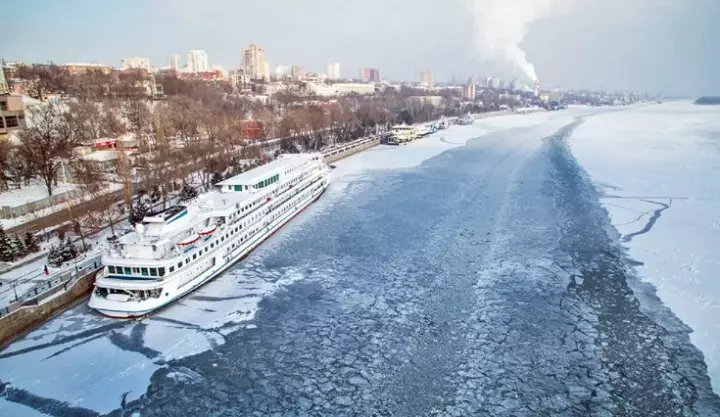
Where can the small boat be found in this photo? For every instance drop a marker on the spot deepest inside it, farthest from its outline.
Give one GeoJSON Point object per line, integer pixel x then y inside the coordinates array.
{"type": "Point", "coordinates": [189, 240]}
{"type": "Point", "coordinates": [208, 230]}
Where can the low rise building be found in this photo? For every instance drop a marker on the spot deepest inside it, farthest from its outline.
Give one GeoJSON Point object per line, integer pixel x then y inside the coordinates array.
{"type": "Point", "coordinates": [298, 71]}
{"type": "Point", "coordinates": [282, 71]}
{"type": "Point", "coordinates": [468, 90]}
{"type": "Point", "coordinates": [357, 88]}
{"type": "Point", "coordinates": [12, 113]}
{"type": "Point", "coordinates": [421, 100]}
{"type": "Point", "coordinates": [240, 80]}
{"type": "Point", "coordinates": [273, 88]}
{"type": "Point", "coordinates": [136, 62]}
{"type": "Point", "coordinates": [82, 68]}
{"type": "Point", "coordinates": [322, 90]}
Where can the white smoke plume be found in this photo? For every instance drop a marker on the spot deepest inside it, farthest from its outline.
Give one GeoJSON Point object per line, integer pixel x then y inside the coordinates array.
{"type": "Point", "coordinates": [501, 25]}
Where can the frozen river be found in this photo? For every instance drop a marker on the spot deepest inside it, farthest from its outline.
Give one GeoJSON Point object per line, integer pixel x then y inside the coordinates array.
{"type": "Point", "coordinates": [481, 271]}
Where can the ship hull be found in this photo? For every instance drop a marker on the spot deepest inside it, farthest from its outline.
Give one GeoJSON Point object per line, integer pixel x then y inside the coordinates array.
{"type": "Point", "coordinates": [139, 309]}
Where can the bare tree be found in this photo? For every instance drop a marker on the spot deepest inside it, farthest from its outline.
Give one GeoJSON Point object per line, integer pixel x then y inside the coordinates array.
{"type": "Point", "coordinates": [125, 171]}
{"type": "Point", "coordinates": [88, 175]}
{"type": "Point", "coordinates": [108, 213]}
{"type": "Point", "coordinates": [91, 120]}
{"type": "Point", "coordinates": [46, 143]}
{"type": "Point", "coordinates": [17, 168]}
{"type": "Point", "coordinates": [139, 118]}
{"type": "Point", "coordinates": [183, 115]}
{"type": "Point", "coordinates": [163, 170]}
{"type": "Point", "coordinates": [93, 185]}
{"type": "Point", "coordinates": [41, 80]}
{"type": "Point", "coordinates": [6, 149]}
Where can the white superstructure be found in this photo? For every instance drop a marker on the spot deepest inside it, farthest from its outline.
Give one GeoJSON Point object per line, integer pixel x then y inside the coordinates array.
{"type": "Point", "coordinates": [403, 134]}
{"type": "Point", "coordinates": [175, 251]}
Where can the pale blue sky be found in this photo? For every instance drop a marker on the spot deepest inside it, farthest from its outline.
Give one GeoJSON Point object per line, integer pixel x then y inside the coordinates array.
{"type": "Point", "coordinates": [651, 45]}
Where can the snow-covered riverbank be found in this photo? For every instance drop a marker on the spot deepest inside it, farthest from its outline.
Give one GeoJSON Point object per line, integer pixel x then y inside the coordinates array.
{"type": "Point", "coordinates": [658, 167]}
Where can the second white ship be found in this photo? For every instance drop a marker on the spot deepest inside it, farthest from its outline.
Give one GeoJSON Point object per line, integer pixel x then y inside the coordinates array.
{"type": "Point", "coordinates": [173, 252]}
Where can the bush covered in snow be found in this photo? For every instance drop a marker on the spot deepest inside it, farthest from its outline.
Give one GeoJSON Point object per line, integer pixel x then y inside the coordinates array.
{"type": "Point", "coordinates": [16, 247]}
{"type": "Point", "coordinates": [62, 253]}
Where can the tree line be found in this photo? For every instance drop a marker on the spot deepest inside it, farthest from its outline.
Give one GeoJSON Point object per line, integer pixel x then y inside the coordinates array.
{"type": "Point", "coordinates": [12, 248]}
{"type": "Point", "coordinates": [198, 134]}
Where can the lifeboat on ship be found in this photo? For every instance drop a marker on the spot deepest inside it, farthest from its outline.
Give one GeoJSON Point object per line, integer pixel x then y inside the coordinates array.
{"type": "Point", "coordinates": [189, 242]}
{"type": "Point", "coordinates": [207, 232]}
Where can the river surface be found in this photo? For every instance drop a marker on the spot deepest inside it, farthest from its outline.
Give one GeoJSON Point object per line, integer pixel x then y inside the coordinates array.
{"type": "Point", "coordinates": [474, 272]}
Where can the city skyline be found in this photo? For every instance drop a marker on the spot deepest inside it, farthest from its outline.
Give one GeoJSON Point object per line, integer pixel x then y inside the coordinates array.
{"type": "Point", "coordinates": [599, 45]}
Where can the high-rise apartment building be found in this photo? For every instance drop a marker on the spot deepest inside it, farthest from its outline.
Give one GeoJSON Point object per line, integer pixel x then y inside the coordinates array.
{"type": "Point", "coordinates": [427, 79]}
{"type": "Point", "coordinates": [371, 75]}
{"type": "Point", "coordinates": [266, 70]}
{"type": "Point", "coordinates": [136, 63]}
{"type": "Point", "coordinates": [468, 90]}
{"type": "Point", "coordinates": [333, 70]}
{"type": "Point", "coordinates": [254, 62]}
{"type": "Point", "coordinates": [174, 61]}
{"type": "Point", "coordinates": [197, 61]}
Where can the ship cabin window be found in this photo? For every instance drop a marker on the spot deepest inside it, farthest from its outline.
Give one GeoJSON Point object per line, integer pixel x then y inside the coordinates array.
{"type": "Point", "coordinates": [161, 272]}
{"type": "Point", "coordinates": [111, 269]}
{"type": "Point", "coordinates": [194, 256]}
{"type": "Point", "coordinates": [187, 261]}
{"type": "Point", "coordinates": [144, 271]}
{"type": "Point", "coordinates": [128, 270]}
{"type": "Point", "coordinates": [153, 272]}
{"type": "Point", "coordinates": [180, 265]}
{"type": "Point", "coordinates": [238, 188]}
{"type": "Point", "coordinates": [172, 269]}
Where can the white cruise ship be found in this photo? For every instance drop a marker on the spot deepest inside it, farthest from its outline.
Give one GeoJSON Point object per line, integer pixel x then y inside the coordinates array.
{"type": "Point", "coordinates": [173, 252]}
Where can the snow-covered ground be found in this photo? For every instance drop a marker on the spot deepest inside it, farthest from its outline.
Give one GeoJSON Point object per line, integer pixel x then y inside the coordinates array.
{"type": "Point", "coordinates": [413, 154]}
{"type": "Point", "coordinates": [27, 194]}
{"type": "Point", "coordinates": [91, 361]}
{"type": "Point", "coordinates": [32, 278]}
{"type": "Point", "coordinates": [31, 193]}
{"type": "Point", "coordinates": [21, 279]}
{"type": "Point", "coordinates": [659, 169]}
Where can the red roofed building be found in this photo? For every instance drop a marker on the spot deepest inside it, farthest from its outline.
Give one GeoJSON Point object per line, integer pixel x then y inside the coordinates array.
{"type": "Point", "coordinates": [251, 130]}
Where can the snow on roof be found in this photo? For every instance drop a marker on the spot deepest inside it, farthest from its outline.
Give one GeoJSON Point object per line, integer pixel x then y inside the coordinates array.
{"type": "Point", "coordinates": [101, 156]}
{"type": "Point", "coordinates": [29, 101]}
{"type": "Point", "coordinates": [278, 166]}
